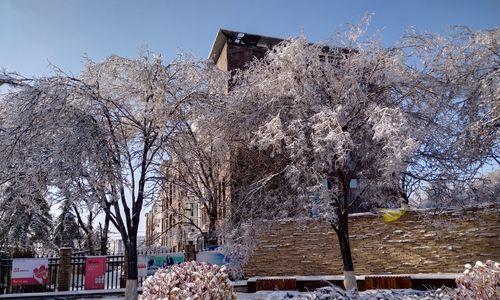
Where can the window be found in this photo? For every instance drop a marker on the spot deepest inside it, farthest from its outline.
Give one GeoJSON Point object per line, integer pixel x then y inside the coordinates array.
{"type": "Point", "coordinates": [353, 184]}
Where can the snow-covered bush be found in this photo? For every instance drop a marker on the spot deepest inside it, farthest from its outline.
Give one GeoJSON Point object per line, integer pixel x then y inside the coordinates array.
{"type": "Point", "coordinates": [480, 282]}
{"type": "Point", "coordinates": [189, 280]}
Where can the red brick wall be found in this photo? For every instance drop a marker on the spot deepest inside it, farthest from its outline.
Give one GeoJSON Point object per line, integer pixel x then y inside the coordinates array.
{"type": "Point", "coordinates": [238, 56]}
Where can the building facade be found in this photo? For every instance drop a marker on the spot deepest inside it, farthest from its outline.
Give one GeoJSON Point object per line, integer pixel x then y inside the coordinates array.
{"type": "Point", "coordinates": [177, 218]}
{"type": "Point", "coordinates": [180, 219]}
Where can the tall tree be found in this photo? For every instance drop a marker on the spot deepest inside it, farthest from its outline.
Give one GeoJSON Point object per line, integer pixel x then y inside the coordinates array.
{"type": "Point", "coordinates": [66, 229]}
{"type": "Point", "coordinates": [25, 220]}
{"type": "Point", "coordinates": [333, 111]}
{"type": "Point", "coordinates": [199, 167]}
{"type": "Point", "coordinates": [453, 109]}
{"type": "Point", "coordinates": [105, 132]}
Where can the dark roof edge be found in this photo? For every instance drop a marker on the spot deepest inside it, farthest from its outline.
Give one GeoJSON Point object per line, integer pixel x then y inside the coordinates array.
{"type": "Point", "coordinates": [222, 36]}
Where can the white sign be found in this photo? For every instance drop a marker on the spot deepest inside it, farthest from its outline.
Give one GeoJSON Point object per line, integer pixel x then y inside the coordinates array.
{"type": "Point", "coordinates": [141, 266]}
{"type": "Point", "coordinates": [30, 271]}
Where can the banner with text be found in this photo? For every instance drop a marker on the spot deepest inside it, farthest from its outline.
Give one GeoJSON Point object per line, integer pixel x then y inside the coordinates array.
{"type": "Point", "coordinates": [212, 257]}
{"type": "Point", "coordinates": [95, 269]}
{"type": "Point", "coordinates": [154, 262]}
{"type": "Point", "coordinates": [30, 271]}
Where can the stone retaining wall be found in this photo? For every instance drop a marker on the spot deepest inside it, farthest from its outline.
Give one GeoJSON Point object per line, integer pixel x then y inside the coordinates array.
{"type": "Point", "coordinates": [419, 242]}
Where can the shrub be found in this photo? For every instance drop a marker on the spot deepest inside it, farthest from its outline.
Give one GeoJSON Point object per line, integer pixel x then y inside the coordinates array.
{"type": "Point", "coordinates": [189, 280]}
{"type": "Point", "coordinates": [479, 282]}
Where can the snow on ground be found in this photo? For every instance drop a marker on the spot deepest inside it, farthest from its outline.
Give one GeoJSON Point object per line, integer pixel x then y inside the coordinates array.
{"type": "Point", "coordinates": [270, 295]}
{"type": "Point", "coordinates": [102, 298]}
{"type": "Point", "coordinates": [333, 293]}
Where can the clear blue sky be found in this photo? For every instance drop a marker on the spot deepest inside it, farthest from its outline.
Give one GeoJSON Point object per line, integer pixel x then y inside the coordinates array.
{"type": "Point", "coordinates": [62, 31]}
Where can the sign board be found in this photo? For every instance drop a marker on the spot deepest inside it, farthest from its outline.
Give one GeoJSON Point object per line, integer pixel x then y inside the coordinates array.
{"type": "Point", "coordinates": [156, 262]}
{"type": "Point", "coordinates": [163, 261]}
{"type": "Point", "coordinates": [141, 266]}
{"type": "Point", "coordinates": [211, 257]}
{"type": "Point", "coordinates": [27, 271]}
{"type": "Point", "coordinates": [95, 269]}
{"type": "Point", "coordinates": [177, 257]}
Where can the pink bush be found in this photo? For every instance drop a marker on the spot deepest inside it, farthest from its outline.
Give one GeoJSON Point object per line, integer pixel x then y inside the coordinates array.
{"type": "Point", "coordinates": [189, 280]}
{"type": "Point", "coordinates": [480, 282]}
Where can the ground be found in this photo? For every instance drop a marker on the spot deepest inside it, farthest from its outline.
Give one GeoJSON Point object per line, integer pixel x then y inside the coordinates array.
{"type": "Point", "coordinates": [332, 294]}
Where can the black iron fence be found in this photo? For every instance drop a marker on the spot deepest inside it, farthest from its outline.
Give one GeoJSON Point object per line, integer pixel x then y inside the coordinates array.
{"type": "Point", "coordinates": [5, 278]}
{"type": "Point", "coordinates": [113, 277]}
{"type": "Point", "coordinates": [77, 273]}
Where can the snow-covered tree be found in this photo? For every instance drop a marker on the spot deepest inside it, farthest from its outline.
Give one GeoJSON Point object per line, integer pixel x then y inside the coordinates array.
{"type": "Point", "coordinates": [66, 229]}
{"type": "Point", "coordinates": [481, 191]}
{"type": "Point", "coordinates": [453, 109]}
{"type": "Point", "coordinates": [333, 110]}
{"type": "Point", "coordinates": [25, 220]}
{"type": "Point", "coordinates": [199, 166]}
{"type": "Point", "coordinates": [104, 132]}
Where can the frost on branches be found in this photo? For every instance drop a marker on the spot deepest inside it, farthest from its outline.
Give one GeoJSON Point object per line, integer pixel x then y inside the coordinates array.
{"type": "Point", "coordinates": [25, 220]}
{"type": "Point", "coordinates": [101, 136]}
{"type": "Point", "coordinates": [189, 280]}
{"type": "Point", "coordinates": [455, 113]}
{"type": "Point", "coordinates": [332, 110]}
{"type": "Point", "coordinates": [481, 281]}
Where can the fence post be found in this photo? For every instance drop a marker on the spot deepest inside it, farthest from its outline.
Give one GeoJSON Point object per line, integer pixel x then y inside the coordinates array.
{"type": "Point", "coordinates": [64, 269]}
{"type": "Point", "coordinates": [190, 251]}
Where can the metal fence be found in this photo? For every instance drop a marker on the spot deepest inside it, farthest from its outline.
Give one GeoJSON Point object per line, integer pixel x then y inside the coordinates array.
{"type": "Point", "coordinates": [77, 273]}
{"type": "Point", "coordinates": [5, 278]}
{"type": "Point", "coordinates": [113, 277]}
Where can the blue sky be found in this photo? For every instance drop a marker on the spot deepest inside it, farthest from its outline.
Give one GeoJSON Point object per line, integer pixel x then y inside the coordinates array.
{"type": "Point", "coordinates": [32, 33]}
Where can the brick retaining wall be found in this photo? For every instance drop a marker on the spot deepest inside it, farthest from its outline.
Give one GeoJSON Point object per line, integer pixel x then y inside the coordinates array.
{"type": "Point", "coordinates": [419, 242]}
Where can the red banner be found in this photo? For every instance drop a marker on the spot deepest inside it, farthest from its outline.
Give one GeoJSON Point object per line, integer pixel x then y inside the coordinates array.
{"type": "Point", "coordinates": [95, 269]}
{"type": "Point", "coordinates": [30, 271]}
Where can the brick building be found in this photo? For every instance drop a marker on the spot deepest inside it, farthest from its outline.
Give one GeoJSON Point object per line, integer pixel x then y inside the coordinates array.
{"type": "Point", "coordinates": [231, 50]}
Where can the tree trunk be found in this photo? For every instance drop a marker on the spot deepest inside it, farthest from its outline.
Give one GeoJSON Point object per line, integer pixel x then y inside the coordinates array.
{"type": "Point", "coordinates": [88, 243]}
{"type": "Point", "coordinates": [104, 236]}
{"type": "Point", "coordinates": [90, 234]}
{"type": "Point", "coordinates": [212, 238]}
{"type": "Point", "coordinates": [342, 231]}
{"type": "Point", "coordinates": [131, 269]}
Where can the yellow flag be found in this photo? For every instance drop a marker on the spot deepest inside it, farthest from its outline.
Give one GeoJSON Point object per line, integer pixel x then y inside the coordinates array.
{"type": "Point", "coordinates": [391, 215]}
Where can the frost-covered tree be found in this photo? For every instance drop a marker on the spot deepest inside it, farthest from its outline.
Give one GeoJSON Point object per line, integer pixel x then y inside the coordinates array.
{"type": "Point", "coordinates": [104, 133]}
{"type": "Point", "coordinates": [199, 168]}
{"type": "Point", "coordinates": [66, 229]}
{"type": "Point", "coordinates": [333, 110]}
{"type": "Point", "coordinates": [481, 191]}
{"type": "Point", "coordinates": [25, 220]}
{"type": "Point", "coordinates": [453, 109]}
{"type": "Point", "coordinates": [40, 122]}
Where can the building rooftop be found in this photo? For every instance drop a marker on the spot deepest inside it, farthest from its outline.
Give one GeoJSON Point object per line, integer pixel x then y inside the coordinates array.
{"type": "Point", "coordinates": [239, 38]}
